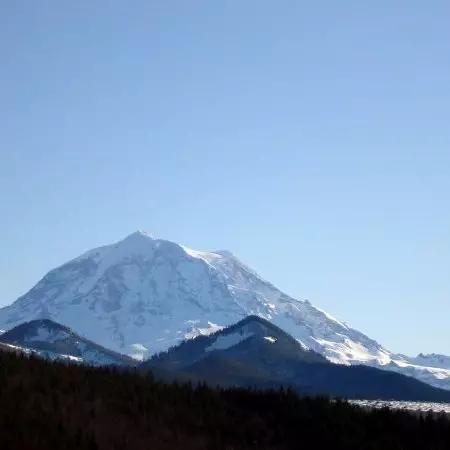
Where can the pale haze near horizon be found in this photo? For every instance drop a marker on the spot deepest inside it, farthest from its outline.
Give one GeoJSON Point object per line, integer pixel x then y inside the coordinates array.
{"type": "Point", "coordinates": [311, 139]}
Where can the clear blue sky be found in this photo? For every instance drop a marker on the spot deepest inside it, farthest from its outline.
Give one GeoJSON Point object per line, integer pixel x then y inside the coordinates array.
{"type": "Point", "coordinates": [311, 138]}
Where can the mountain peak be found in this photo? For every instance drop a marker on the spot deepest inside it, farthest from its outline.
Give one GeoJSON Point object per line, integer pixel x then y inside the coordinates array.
{"type": "Point", "coordinates": [137, 242]}
{"type": "Point", "coordinates": [139, 234]}
{"type": "Point", "coordinates": [149, 294]}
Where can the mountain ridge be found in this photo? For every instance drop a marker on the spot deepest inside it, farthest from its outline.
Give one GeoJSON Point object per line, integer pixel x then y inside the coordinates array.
{"type": "Point", "coordinates": [252, 331]}
{"type": "Point", "coordinates": [256, 353]}
{"type": "Point", "coordinates": [250, 353]}
{"type": "Point", "coordinates": [142, 295]}
{"type": "Point", "coordinates": [52, 340]}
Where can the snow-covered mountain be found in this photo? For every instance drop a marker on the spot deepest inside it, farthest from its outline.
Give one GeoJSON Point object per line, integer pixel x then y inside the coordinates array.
{"type": "Point", "coordinates": [143, 295]}
{"type": "Point", "coordinates": [51, 340]}
{"type": "Point", "coordinates": [433, 360]}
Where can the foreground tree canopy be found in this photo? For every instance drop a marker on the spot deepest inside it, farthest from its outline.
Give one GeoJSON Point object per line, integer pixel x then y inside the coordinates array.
{"type": "Point", "coordinates": [47, 405]}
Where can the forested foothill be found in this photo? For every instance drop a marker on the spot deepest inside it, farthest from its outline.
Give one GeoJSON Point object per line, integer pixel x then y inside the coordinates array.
{"type": "Point", "coordinates": [51, 405]}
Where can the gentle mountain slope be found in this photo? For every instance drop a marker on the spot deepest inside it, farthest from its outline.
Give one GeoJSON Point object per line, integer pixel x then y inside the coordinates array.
{"type": "Point", "coordinates": [143, 295]}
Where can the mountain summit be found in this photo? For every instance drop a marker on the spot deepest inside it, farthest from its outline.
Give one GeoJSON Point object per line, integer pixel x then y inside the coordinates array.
{"type": "Point", "coordinates": [143, 295]}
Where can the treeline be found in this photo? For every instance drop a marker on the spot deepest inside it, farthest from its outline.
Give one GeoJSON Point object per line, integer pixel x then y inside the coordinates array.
{"type": "Point", "coordinates": [45, 405]}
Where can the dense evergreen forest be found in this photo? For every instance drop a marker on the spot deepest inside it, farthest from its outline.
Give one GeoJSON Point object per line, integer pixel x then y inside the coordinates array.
{"type": "Point", "coordinates": [45, 405]}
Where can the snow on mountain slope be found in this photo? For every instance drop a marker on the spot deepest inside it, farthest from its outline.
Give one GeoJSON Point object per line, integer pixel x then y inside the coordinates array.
{"type": "Point", "coordinates": [143, 295]}
{"type": "Point", "coordinates": [45, 354]}
{"type": "Point", "coordinates": [253, 344]}
{"type": "Point", "coordinates": [432, 360]}
{"type": "Point", "coordinates": [51, 340]}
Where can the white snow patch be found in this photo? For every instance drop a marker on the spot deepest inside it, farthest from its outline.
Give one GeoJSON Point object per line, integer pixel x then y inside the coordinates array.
{"type": "Point", "coordinates": [138, 352]}
{"type": "Point", "coordinates": [205, 331]}
{"type": "Point", "coordinates": [207, 257]}
{"type": "Point", "coordinates": [304, 346]}
{"type": "Point", "coordinates": [227, 341]}
{"type": "Point", "coordinates": [17, 348]}
{"type": "Point", "coordinates": [437, 372]}
{"type": "Point", "coordinates": [349, 351]}
{"type": "Point", "coordinates": [270, 339]}
{"type": "Point", "coordinates": [71, 358]}
{"type": "Point", "coordinates": [139, 347]}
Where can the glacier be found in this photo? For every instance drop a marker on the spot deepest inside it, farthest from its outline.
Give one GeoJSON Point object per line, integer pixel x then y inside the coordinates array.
{"type": "Point", "coordinates": [143, 295]}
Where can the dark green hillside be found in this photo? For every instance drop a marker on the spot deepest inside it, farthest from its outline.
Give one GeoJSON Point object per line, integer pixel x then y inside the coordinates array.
{"type": "Point", "coordinates": [257, 353]}
{"type": "Point", "coordinates": [47, 405]}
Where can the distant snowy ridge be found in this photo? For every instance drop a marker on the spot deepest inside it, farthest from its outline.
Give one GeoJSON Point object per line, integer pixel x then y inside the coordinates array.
{"type": "Point", "coordinates": [142, 295]}
{"type": "Point", "coordinates": [433, 360]}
